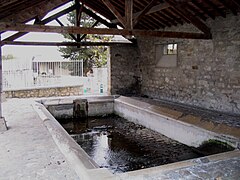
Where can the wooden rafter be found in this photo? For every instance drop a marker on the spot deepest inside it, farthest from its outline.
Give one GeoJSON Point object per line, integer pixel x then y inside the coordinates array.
{"type": "Point", "coordinates": [152, 10]}
{"type": "Point", "coordinates": [78, 17]}
{"type": "Point", "coordinates": [30, 12]}
{"type": "Point", "coordinates": [59, 14]}
{"type": "Point", "coordinates": [199, 5]}
{"type": "Point", "coordinates": [94, 24]}
{"type": "Point", "coordinates": [237, 3]}
{"type": "Point", "coordinates": [143, 12]}
{"type": "Point", "coordinates": [115, 12]}
{"type": "Point", "coordinates": [212, 5]}
{"type": "Point", "coordinates": [98, 18]}
{"type": "Point", "coordinates": [180, 7]}
{"type": "Point", "coordinates": [81, 30]}
{"type": "Point", "coordinates": [61, 24]}
{"type": "Point", "coordinates": [229, 4]}
{"type": "Point", "coordinates": [129, 14]}
{"type": "Point", "coordinates": [44, 21]}
{"type": "Point", "coordinates": [77, 44]}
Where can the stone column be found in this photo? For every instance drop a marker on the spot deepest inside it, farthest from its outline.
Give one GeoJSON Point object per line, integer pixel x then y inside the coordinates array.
{"type": "Point", "coordinates": [3, 126]}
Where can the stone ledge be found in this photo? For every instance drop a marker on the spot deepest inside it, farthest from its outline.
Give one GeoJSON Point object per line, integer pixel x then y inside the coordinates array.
{"type": "Point", "coordinates": [45, 92]}
{"type": "Point", "coordinates": [174, 124]}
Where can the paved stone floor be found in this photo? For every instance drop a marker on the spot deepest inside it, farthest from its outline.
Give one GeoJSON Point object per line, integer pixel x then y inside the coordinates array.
{"type": "Point", "coordinates": [221, 170]}
{"type": "Point", "coordinates": [27, 150]}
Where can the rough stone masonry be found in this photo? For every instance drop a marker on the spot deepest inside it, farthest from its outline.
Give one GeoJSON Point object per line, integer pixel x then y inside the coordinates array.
{"type": "Point", "coordinates": [207, 73]}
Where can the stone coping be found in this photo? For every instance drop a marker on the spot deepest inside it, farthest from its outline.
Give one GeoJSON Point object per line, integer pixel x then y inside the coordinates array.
{"type": "Point", "coordinates": [69, 100]}
{"type": "Point", "coordinates": [182, 117]}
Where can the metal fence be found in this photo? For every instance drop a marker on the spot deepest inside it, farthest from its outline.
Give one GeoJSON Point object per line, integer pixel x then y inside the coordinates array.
{"type": "Point", "coordinates": [23, 74]}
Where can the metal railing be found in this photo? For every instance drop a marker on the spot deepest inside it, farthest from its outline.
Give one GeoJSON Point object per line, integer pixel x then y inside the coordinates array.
{"type": "Point", "coordinates": [25, 75]}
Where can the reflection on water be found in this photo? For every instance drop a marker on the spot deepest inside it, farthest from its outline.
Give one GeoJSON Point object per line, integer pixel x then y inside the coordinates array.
{"type": "Point", "coordinates": [111, 150]}
{"type": "Point", "coordinates": [119, 145]}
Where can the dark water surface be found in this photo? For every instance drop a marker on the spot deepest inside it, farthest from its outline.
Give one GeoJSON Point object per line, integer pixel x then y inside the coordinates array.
{"type": "Point", "coordinates": [119, 145]}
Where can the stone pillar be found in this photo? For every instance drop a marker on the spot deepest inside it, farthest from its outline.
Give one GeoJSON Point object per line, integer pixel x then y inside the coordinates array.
{"type": "Point", "coordinates": [3, 126]}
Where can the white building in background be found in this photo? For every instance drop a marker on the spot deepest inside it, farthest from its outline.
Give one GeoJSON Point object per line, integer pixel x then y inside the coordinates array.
{"type": "Point", "coordinates": [54, 67]}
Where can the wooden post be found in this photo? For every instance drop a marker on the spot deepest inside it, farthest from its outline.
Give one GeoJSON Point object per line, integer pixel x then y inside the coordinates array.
{"type": "Point", "coordinates": [3, 126]}
{"type": "Point", "coordinates": [129, 14]}
{"type": "Point", "coordinates": [78, 18]}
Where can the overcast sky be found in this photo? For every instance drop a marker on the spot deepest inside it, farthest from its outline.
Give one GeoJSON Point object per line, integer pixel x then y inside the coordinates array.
{"type": "Point", "coordinates": [23, 52]}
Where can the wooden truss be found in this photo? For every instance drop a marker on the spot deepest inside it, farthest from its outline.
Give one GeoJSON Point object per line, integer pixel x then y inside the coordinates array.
{"type": "Point", "coordinates": [128, 22]}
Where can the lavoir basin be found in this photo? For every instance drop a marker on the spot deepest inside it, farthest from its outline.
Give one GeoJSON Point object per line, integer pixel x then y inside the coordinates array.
{"type": "Point", "coordinates": [130, 138]}
{"type": "Point", "coordinates": [119, 145]}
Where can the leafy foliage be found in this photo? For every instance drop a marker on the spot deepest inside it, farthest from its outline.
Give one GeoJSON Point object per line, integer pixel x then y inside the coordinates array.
{"type": "Point", "coordinates": [94, 56]}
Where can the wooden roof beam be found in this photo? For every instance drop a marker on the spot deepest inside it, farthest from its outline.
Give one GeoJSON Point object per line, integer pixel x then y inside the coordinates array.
{"type": "Point", "coordinates": [44, 21]}
{"type": "Point", "coordinates": [237, 3]}
{"type": "Point", "coordinates": [215, 8]}
{"type": "Point", "coordinates": [199, 5]}
{"type": "Point", "coordinates": [77, 44]}
{"type": "Point", "coordinates": [98, 18]}
{"type": "Point", "coordinates": [143, 12]}
{"type": "Point", "coordinates": [180, 7]}
{"type": "Point", "coordinates": [115, 12]}
{"type": "Point", "coordinates": [61, 24]}
{"type": "Point", "coordinates": [94, 24]}
{"type": "Point", "coordinates": [129, 14]}
{"type": "Point", "coordinates": [229, 4]}
{"type": "Point", "coordinates": [81, 30]}
{"type": "Point", "coordinates": [152, 10]}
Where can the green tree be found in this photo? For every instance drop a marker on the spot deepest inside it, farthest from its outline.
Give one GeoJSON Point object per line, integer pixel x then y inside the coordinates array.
{"type": "Point", "coordinates": [92, 56]}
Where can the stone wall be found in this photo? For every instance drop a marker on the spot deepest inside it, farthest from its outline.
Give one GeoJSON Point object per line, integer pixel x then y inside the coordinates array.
{"type": "Point", "coordinates": [124, 62]}
{"type": "Point", "coordinates": [45, 92]}
{"type": "Point", "coordinates": [207, 73]}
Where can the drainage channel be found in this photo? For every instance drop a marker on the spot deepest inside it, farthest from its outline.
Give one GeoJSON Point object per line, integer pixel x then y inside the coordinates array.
{"type": "Point", "coordinates": [121, 146]}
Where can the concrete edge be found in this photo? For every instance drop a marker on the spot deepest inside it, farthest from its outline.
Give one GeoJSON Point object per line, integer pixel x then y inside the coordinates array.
{"type": "Point", "coordinates": [83, 165]}
{"type": "Point", "coordinates": [69, 100]}
{"type": "Point", "coordinates": [233, 141]}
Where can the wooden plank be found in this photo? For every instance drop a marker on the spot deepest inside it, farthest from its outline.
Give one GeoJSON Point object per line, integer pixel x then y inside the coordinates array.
{"type": "Point", "coordinates": [143, 12]}
{"type": "Point", "coordinates": [81, 30]}
{"type": "Point", "coordinates": [180, 7]}
{"type": "Point", "coordinates": [129, 14]}
{"type": "Point", "coordinates": [77, 44]}
{"type": "Point", "coordinates": [115, 12]}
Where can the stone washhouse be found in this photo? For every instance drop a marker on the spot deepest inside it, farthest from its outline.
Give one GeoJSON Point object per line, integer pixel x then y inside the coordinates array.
{"type": "Point", "coordinates": [177, 72]}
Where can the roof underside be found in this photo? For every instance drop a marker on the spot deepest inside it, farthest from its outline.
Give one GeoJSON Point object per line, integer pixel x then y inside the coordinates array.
{"type": "Point", "coordinates": [162, 14]}
{"type": "Point", "coordinates": [165, 14]}
{"type": "Point", "coordinates": [143, 14]}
